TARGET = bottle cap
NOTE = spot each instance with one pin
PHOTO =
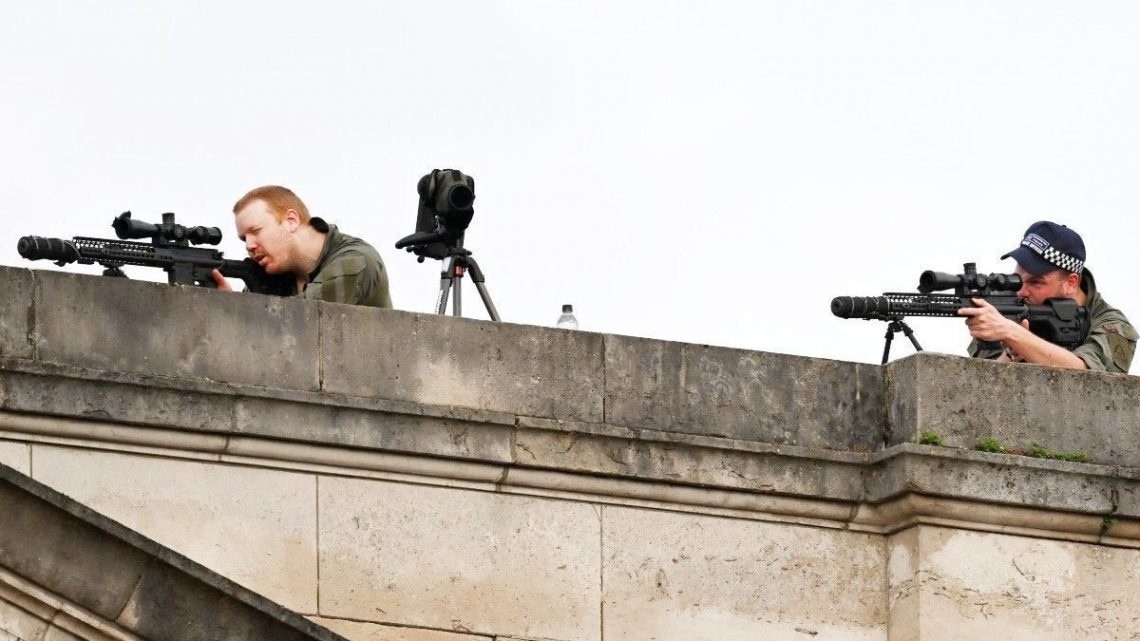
(567, 309)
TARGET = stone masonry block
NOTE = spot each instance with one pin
(56, 633)
(469, 562)
(16, 313)
(15, 455)
(169, 604)
(755, 396)
(974, 585)
(675, 462)
(902, 586)
(184, 332)
(677, 577)
(103, 400)
(20, 623)
(254, 526)
(43, 545)
(967, 400)
(437, 360)
(350, 427)
(358, 631)
(1003, 479)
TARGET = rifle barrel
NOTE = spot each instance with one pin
(892, 305)
(38, 247)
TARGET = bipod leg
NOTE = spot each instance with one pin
(477, 278)
(909, 333)
(894, 327)
(890, 336)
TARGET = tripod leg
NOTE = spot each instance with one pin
(457, 280)
(477, 278)
(491, 311)
(445, 279)
(887, 343)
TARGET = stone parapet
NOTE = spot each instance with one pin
(967, 400)
(357, 358)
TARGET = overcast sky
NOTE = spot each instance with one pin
(709, 172)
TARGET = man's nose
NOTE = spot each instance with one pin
(250, 245)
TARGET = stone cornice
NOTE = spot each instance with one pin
(881, 491)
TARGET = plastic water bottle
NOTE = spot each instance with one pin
(567, 320)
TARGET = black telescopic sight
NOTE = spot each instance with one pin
(166, 233)
(970, 282)
(204, 235)
(127, 228)
(932, 281)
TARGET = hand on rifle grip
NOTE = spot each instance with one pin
(221, 281)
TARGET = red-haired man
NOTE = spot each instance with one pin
(282, 237)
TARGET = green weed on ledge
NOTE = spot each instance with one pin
(990, 444)
(1037, 451)
(930, 437)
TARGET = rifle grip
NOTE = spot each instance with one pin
(988, 345)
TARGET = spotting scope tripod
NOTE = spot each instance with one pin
(457, 262)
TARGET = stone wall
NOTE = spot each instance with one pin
(402, 476)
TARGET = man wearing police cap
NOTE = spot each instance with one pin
(1050, 261)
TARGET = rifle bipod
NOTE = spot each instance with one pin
(895, 326)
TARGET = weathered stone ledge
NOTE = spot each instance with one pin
(879, 492)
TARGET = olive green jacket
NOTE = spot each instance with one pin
(348, 271)
(1112, 339)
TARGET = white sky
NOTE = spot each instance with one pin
(710, 172)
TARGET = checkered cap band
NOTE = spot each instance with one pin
(1063, 260)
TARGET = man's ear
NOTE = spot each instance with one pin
(1073, 283)
(291, 220)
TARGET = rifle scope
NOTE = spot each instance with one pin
(166, 233)
(970, 282)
